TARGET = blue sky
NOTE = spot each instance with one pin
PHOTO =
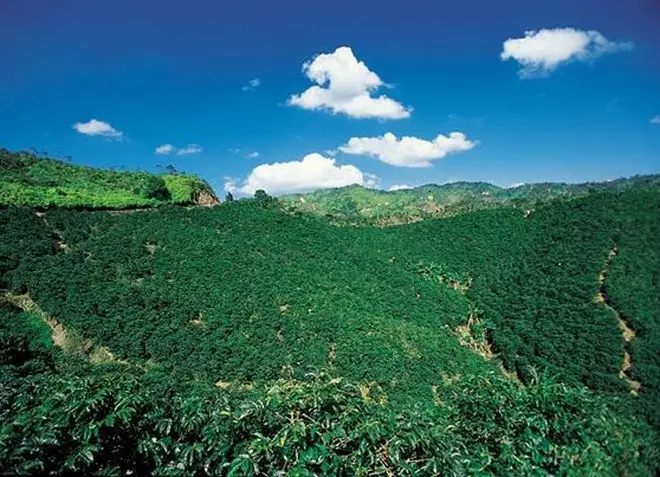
(172, 72)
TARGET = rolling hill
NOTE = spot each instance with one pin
(363, 206)
(255, 338)
(26, 179)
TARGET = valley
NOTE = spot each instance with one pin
(251, 337)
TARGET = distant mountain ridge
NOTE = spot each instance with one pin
(358, 204)
(29, 180)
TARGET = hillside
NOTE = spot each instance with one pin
(26, 179)
(250, 338)
(360, 205)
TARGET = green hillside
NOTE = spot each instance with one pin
(360, 205)
(252, 339)
(26, 179)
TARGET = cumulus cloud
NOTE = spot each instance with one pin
(313, 171)
(655, 119)
(231, 183)
(94, 127)
(345, 85)
(166, 149)
(370, 180)
(541, 52)
(408, 151)
(252, 84)
(398, 187)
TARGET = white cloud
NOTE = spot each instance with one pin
(189, 149)
(252, 85)
(313, 171)
(370, 180)
(252, 155)
(408, 151)
(234, 150)
(94, 127)
(655, 119)
(165, 149)
(541, 52)
(231, 183)
(517, 184)
(398, 187)
(349, 89)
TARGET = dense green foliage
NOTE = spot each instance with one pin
(113, 420)
(25, 237)
(216, 315)
(207, 293)
(26, 179)
(535, 281)
(25, 343)
(633, 286)
(360, 205)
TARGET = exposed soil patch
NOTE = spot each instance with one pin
(198, 321)
(332, 354)
(25, 303)
(151, 247)
(432, 207)
(58, 240)
(394, 220)
(635, 386)
(68, 341)
(471, 334)
(626, 330)
(466, 337)
(117, 212)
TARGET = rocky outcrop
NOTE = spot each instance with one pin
(205, 197)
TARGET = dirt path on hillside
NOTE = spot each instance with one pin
(628, 333)
(481, 346)
(25, 303)
(62, 338)
(60, 244)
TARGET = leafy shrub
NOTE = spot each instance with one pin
(155, 188)
(123, 421)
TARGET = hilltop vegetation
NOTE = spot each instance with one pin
(478, 343)
(26, 179)
(361, 206)
(243, 304)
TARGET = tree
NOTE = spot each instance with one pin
(229, 197)
(260, 195)
(264, 200)
(155, 188)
